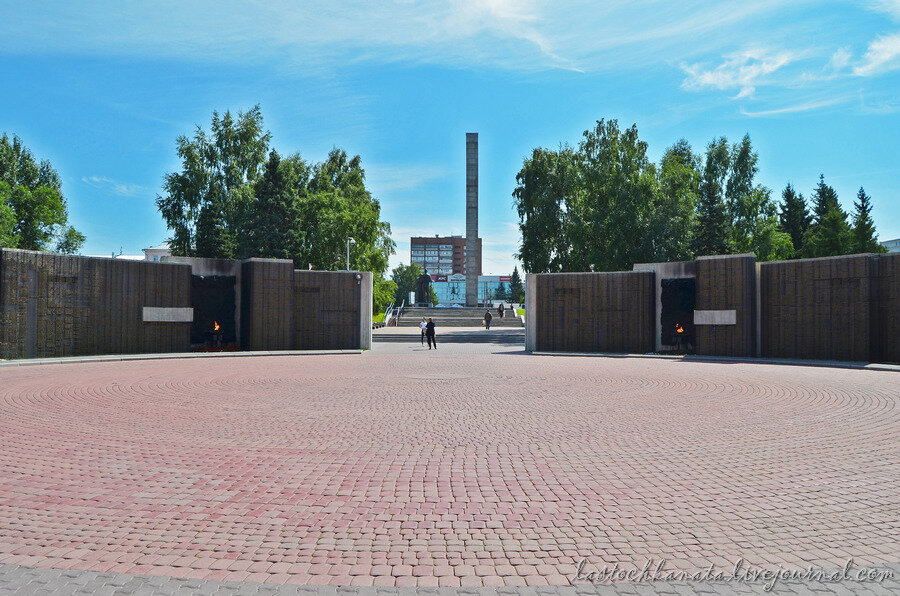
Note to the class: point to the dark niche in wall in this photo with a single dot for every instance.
(677, 316)
(212, 297)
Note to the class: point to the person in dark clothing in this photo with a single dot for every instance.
(429, 334)
(500, 310)
(487, 319)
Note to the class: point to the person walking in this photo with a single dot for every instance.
(487, 319)
(422, 326)
(429, 334)
(501, 309)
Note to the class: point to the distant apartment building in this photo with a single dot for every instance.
(441, 255)
(892, 245)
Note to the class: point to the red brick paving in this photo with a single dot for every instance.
(459, 470)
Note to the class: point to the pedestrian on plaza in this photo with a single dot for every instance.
(500, 310)
(487, 319)
(429, 333)
(422, 326)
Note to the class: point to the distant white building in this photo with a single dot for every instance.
(154, 253)
(120, 256)
(892, 245)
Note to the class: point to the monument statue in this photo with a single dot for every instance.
(423, 289)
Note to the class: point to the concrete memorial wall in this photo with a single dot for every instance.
(590, 312)
(725, 315)
(59, 305)
(886, 308)
(332, 309)
(835, 308)
(63, 305)
(268, 306)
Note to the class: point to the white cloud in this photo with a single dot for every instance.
(840, 59)
(797, 108)
(393, 178)
(891, 7)
(108, 184)
(743, 71)
(883, 55)
(313, 35)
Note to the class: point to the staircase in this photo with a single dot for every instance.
(457, 317)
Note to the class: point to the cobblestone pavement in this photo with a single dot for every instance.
(474, 466)
(15, 579)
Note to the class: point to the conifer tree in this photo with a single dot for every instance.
(516, 290)
(794, 216)
(712, 232)
(864, 239)
(829, 233)
(274, 215)
(824, 199)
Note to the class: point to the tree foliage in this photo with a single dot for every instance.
(33, 210)
(405, 277)
(516, 289)
(605, 206)
(712, 234)
(237, 198)
(206, 203)
(545, 191)
(794, 216)
(270, 228)
(383, 293)
(863, 236)
(679, 187)
(829, 232)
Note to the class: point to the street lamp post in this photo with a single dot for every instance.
(350, 241)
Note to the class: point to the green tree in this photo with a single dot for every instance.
(273, 220)
(336, 205)
(751, 213)
(829, 234)
(615, 211)
(70, 240)
(712, 234)
(516, 289)
(770, 243)
(206, 203)
(230, 201)
(676, 218)
(405, 277)
(824, 199)
(383, 293)
(794, 216)
(544, 191)
(8, 238)
(863, 236)
(33, 210)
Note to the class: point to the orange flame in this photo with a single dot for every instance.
(679, 328)
(216, 326)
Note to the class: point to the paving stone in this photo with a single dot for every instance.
(483, 464)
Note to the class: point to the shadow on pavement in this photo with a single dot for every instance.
(457, 337)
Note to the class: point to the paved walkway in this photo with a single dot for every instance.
(476, 465)
(37, 582)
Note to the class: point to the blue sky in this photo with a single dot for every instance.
(103, 89)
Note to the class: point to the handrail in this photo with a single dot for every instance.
(399, 312)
